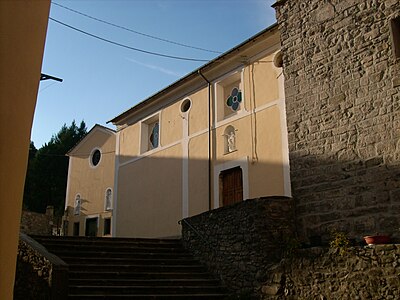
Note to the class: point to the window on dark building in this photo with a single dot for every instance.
(395, 31)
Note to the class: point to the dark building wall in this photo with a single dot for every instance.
(342, 85)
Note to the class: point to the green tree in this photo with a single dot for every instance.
(46, 179)
(29, 181)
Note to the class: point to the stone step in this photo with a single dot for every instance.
(55, 248)
(138, 268)
(102, 240)
(120, 268)
(106, 275)
(143, 290)
(143, 282)
(215, 296)
(137, 255)
(133, 260)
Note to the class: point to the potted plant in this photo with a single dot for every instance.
(377, 239)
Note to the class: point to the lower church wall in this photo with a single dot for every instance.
(239, 242)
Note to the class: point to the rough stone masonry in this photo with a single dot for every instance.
(342, 85)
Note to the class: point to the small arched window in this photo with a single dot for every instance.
(229, 139)
(77, 205)
(108, 199)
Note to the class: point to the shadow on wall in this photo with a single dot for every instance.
(359, 197)
(154, 193)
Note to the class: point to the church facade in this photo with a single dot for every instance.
(215, 137)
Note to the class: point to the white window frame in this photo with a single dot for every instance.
(244, 165)
(145, 134)
(220, 101)
(91, 155)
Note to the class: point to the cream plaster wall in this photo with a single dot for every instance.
(259, 129)
(171, 124)
(129, 143)
(243, 132)
(198, 120)
(150, 195)
(23, 27)
(198, 174)
(266, 172)
(88, 181)
(152, 192)
(261, 81)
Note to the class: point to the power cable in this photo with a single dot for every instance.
(134, 31)
(46, 87)
(64, 155)
(127, 47)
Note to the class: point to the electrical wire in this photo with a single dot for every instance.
(125, 46)
(64, 155)
(134, 31)
(46, 87)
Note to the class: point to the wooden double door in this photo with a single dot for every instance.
(231, 181)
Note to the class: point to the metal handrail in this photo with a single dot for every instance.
(197, 233)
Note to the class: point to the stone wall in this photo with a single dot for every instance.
(36, 223)
(39, 274)
(342, 86)
(239, 242)
(32, 275)
(370, 272)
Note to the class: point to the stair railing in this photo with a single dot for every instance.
(205, 241)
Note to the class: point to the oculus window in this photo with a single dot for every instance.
(95, 157)
(185, 106)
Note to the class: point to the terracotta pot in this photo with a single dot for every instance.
(376, 239)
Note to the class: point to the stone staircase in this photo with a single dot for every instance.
(121, 268)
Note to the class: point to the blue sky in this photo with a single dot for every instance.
(102, 80)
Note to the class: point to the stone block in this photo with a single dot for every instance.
(396, 82)
(271, 290)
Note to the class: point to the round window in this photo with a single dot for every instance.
(278, 60)
(95, 159)
(185, 105)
